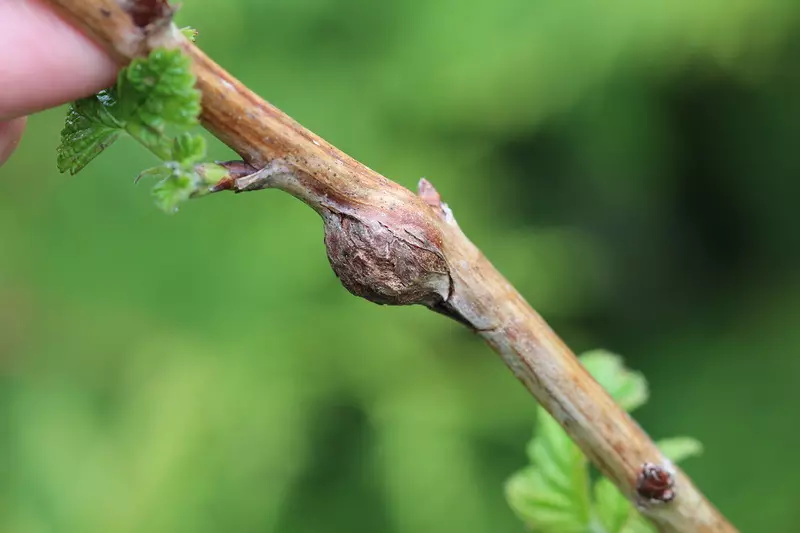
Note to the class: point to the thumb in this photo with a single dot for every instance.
(45, 62)
(10, 134)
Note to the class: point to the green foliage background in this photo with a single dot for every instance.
(631, 166)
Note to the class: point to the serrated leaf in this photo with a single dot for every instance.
(90, 128)
(98, 109)
(615, 513)
(158, 91)
(187, 149)
(151, 95)
(678, 449)
(628, 388)
(541, 508)
(551, 495)
(613, 510)
(638, 524)
(74, 155)
(554, 453)
(174, 190)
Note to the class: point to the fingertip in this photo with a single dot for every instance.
(10, 134)
(50, 62)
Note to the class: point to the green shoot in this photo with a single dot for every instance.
(156, 103)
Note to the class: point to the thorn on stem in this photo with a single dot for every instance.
(237, 169)
(429, 194)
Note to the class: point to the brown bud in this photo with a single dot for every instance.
(655, 484)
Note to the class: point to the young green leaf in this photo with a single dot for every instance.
(155, 93)
(151, 95)
(552, 495)
(628, 388)
(638, 524)
(90, 128)
(612, 509)
(155, 102)
(615, 513)
(188, 149)
(678, 449)
(175, 189)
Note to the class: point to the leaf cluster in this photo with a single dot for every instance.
(156, 103)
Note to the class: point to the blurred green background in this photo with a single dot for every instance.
(632, 166)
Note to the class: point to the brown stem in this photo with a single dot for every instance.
(392, 246)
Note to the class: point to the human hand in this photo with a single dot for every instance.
(44, 62)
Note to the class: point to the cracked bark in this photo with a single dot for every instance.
(392, 246)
